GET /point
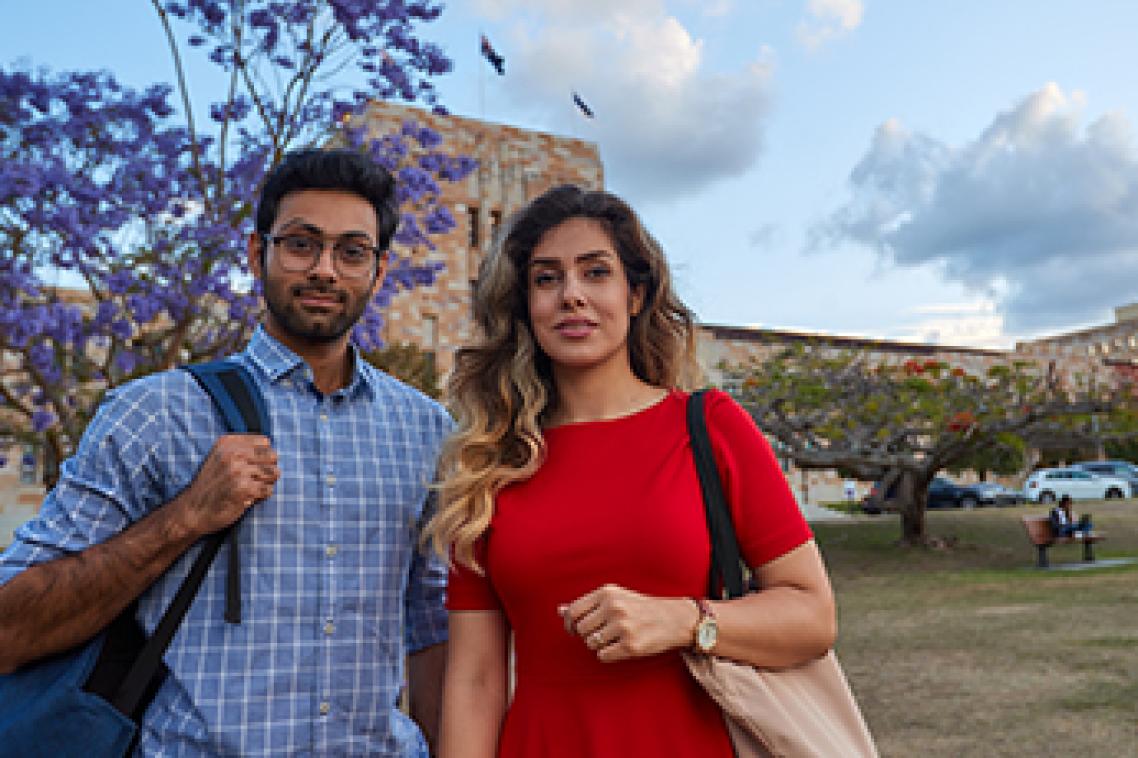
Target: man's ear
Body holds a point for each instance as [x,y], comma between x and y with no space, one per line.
[382,263]
[254,249]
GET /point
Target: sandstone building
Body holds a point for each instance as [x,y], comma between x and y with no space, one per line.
[517,165]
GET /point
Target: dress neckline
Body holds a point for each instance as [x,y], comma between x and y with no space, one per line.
[634,415]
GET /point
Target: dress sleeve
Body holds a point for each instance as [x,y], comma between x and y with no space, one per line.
[468,590]
[768,521]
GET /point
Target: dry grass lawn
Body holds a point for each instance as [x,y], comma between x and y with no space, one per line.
[972,651]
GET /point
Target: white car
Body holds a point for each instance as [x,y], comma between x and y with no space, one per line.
[1049,484]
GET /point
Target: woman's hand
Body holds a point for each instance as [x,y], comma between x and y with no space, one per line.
[619,624]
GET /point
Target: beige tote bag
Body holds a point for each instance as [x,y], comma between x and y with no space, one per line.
[803,712]
[806,711]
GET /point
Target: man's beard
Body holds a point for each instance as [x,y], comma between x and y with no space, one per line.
[297,323]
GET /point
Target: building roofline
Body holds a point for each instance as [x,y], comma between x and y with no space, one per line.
[1078,333]
[497,125]
[760,334]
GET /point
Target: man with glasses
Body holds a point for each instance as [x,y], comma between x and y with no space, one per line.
[335,589]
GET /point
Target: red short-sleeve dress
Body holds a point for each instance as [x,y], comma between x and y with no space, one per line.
[618,501]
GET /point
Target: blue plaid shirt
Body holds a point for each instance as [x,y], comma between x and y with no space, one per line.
[334,590]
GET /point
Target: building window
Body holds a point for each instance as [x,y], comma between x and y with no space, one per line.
[430,332]
[28,465]
[475,232]
[495,222]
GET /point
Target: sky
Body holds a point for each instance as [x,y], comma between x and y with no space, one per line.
[959,172]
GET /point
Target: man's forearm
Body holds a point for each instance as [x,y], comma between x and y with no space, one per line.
[56,605]
[425,670]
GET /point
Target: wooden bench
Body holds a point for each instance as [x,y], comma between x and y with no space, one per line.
[1041,534]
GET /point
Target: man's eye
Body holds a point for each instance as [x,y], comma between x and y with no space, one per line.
[300,244]
[354,253]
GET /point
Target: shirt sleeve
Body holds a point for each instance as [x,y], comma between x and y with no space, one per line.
[468,590]
[425,598]
[111,481]
[768,521]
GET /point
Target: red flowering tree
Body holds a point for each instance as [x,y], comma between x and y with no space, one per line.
[900,424]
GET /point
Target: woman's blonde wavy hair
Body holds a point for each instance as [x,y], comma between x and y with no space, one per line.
[502,386]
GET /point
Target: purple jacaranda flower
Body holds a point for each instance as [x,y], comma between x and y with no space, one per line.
[41,420]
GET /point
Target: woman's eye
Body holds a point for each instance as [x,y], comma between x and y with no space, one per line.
[544,278]
[598,272]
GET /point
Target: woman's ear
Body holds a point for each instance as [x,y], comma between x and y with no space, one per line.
[635,300]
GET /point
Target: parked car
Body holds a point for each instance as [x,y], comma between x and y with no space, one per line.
[989,493]
[874,501]
[1048,484]
[944,493]
[1119,469]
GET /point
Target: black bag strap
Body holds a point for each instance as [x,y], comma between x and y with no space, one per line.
[235,395]
[233,392]
[726,566]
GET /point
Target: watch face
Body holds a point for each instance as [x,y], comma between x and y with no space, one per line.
[707,635]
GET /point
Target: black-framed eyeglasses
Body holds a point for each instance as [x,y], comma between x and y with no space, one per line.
[352,258]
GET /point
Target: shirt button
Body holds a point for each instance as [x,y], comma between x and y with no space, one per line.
[324,708]
[330,551]
[331,480]
[323,416]
[329,628]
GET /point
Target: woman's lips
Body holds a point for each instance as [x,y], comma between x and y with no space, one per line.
[575,328]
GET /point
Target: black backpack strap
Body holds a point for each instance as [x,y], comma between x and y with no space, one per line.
[234,394]
[726,566]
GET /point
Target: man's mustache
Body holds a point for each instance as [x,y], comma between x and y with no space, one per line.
[301,290]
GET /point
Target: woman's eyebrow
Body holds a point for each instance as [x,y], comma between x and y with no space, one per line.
[593,255]
[586,256]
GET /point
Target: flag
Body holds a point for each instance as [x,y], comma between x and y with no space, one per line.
[490,54]
[581,104]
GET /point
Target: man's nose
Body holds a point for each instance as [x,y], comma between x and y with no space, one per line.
[324,267]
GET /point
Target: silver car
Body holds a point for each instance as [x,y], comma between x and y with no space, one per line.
[1049,484]
[1118,469]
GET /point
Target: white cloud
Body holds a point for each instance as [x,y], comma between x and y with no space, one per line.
[827,20]
[1037,213]
[666,125]
[970,324]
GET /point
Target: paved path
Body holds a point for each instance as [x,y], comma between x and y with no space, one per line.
[818,513]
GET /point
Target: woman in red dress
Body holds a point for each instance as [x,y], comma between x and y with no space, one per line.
[572,510]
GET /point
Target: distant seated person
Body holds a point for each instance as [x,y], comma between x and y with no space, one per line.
[1063,523]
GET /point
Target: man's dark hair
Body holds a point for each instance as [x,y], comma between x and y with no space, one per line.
[334,169]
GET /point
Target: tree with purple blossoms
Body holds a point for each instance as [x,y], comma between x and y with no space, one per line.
[148,206]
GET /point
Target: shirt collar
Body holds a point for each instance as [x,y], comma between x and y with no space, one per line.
[276,361]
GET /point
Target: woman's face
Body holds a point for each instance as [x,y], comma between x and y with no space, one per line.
[580,303]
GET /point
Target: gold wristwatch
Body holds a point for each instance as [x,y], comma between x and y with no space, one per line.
[706,629]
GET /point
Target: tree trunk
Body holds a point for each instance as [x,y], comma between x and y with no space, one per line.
[52,455]
[912,488]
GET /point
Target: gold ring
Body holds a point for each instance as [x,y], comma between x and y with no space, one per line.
[595,638]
